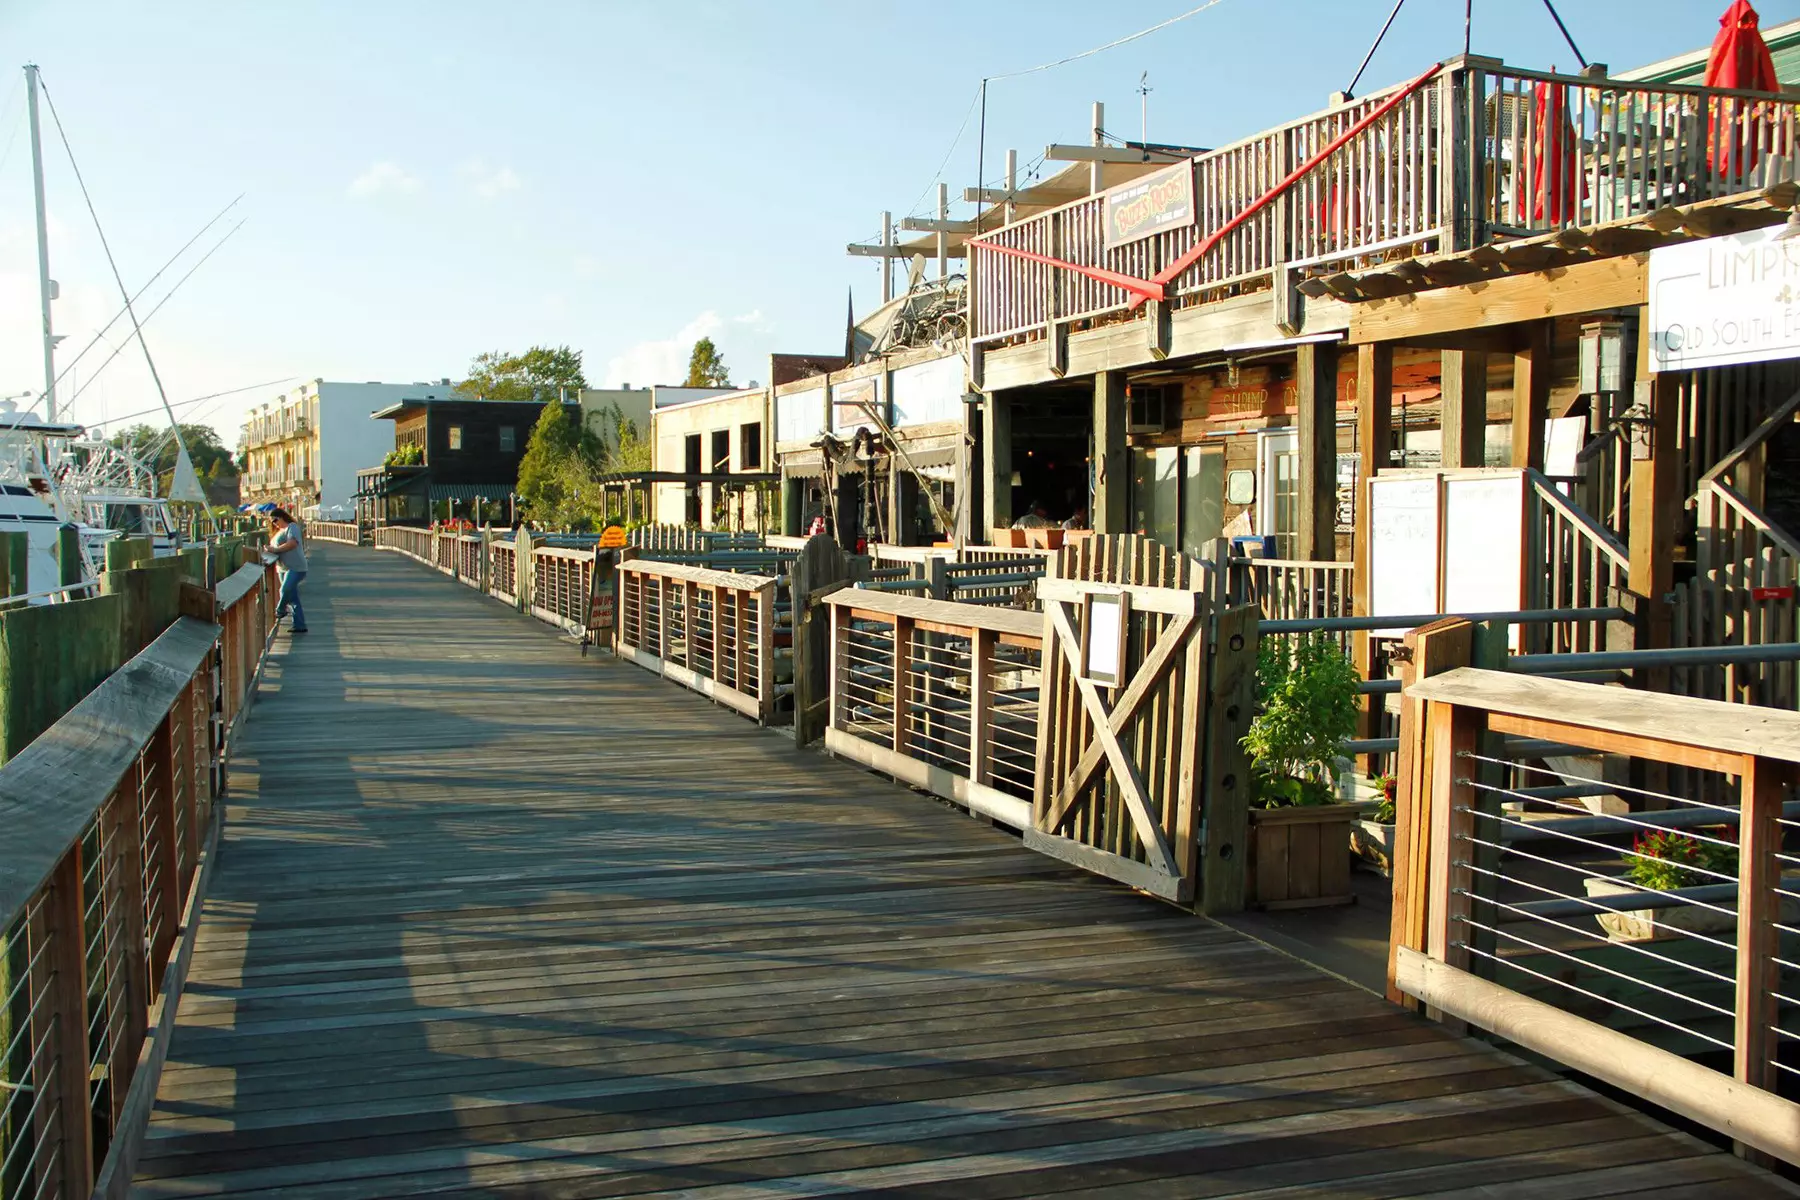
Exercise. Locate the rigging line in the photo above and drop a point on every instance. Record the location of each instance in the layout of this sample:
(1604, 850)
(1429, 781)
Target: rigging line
(957, 141)
(1386, 25)
(124, 292)
(197, 399)
(98, 337)
(95, 374)
(1557, 17)
(6, 155)
(1130, 37)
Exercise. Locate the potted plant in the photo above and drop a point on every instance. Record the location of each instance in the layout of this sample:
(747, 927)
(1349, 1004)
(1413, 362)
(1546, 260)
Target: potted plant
(1299, 833)
(1665, 861)
(1372, 836)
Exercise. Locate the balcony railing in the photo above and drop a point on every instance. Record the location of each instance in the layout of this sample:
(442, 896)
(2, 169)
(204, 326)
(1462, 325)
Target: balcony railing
(1473, 152)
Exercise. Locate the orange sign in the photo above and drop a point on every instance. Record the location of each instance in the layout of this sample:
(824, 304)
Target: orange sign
(612, 537)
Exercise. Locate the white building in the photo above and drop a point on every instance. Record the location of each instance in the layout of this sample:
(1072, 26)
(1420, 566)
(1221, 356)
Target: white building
(304, 447)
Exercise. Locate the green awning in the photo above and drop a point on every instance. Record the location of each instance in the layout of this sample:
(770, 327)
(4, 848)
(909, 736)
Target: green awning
(470, 491)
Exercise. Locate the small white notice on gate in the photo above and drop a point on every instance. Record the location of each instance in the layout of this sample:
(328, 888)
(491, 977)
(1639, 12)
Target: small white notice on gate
(1103, 640)
(1725, 300)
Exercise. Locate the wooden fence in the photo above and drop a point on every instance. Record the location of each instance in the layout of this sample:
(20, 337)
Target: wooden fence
(712, 631)
(1578, 563)
(560, 586)
(415, 543)
(939, 695)
(1510, 913)
(110, 816)
(1293, 589)
(347, 532)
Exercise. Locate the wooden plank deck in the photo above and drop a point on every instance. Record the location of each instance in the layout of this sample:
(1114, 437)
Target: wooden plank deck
(492, 920)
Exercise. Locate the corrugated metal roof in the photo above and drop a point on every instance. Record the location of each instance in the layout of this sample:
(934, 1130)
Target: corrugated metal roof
(1783, 41)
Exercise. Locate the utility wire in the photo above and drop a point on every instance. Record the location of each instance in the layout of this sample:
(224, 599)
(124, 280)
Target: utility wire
(158, 308)
(139, 293)
(1130, 37)
(955, 142)
(119, 279)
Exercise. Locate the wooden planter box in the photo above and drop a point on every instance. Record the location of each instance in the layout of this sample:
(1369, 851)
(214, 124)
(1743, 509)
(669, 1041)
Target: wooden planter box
(1300, 857)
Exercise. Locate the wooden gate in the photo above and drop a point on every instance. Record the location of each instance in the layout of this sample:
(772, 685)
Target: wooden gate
(1139, 722)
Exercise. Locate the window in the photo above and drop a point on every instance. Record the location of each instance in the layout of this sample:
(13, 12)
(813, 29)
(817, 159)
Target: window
(456, 437)
(721, 452)
(750, 446)
(509, 439)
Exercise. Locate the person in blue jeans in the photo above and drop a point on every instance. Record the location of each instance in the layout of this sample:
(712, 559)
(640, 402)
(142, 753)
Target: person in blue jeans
(286, 544)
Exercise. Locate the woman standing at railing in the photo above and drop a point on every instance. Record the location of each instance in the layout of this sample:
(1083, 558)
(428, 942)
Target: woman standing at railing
(285, 543)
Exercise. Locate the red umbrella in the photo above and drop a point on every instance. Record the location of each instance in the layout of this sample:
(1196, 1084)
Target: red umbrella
(1740, 60)
(1556, 175)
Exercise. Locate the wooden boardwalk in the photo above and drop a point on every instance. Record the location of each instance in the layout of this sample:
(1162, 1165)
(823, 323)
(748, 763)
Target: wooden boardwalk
(493, 920)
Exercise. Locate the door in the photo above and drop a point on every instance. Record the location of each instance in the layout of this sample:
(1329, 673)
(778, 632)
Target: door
(1202, 497)
(1278, 489)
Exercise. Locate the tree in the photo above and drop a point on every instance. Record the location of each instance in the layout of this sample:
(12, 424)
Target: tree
(559, 460)
(706, 366)
(155, 448)
(537, 374)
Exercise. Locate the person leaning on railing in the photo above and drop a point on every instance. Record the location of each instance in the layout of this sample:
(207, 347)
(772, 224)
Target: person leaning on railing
(285, 543)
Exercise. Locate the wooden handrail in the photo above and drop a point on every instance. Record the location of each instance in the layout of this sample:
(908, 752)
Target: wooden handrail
(700, 575)
(1027, 627)
(1753, 516)
(1599, 534)
(1771, 424)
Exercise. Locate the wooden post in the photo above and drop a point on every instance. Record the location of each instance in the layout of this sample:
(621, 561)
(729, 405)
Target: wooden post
(1430, 650)
(765, 647)
(996, 462)
(69, 567)
(1655, 507)
(1315, 373)
(1464, 421)
(793, 505)
(63, 1081)
(1112, 475)
(903, 653)
(1229, 704)
(903, 504)
(1759, 909)
(1531, 396)
(1374, 440)
(15, 563)
(819, 565)
(981, 705)
(1453, 731)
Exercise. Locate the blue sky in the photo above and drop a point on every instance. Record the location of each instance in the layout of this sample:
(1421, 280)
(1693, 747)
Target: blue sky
(424, 181)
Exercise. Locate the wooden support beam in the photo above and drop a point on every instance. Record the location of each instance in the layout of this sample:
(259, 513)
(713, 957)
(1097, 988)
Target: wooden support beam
(1112, 475)
(1464, 420)
(1763, 787)
(996, 462)
(1579, 288)
(1125, 155)
(1655, 508)
(1315, 374)
(1374, 441)
(1531, 396)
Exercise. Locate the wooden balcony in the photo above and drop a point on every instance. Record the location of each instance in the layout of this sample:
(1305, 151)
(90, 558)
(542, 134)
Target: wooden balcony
(1472, 153)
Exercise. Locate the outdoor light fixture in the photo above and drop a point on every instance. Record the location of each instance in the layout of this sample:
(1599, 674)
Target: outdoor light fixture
(1602, 357)
(1639, 423)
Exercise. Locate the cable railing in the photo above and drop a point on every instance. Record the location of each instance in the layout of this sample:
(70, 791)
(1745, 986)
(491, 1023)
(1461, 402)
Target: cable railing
(562, 582)
(1561, 883)
(109, 816)
(940, 695)
(711, 631)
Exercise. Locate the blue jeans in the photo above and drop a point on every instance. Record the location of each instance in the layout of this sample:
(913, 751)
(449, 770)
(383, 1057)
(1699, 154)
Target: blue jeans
(290, 598)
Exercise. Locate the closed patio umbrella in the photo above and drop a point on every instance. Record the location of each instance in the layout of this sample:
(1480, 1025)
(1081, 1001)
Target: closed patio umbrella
(1557, 173)
(1739, 60)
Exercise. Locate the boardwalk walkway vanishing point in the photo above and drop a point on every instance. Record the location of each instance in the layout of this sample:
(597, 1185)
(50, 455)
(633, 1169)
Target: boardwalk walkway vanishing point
(491, 919)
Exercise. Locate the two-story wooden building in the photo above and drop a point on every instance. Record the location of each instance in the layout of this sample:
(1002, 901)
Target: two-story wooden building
(452, 457)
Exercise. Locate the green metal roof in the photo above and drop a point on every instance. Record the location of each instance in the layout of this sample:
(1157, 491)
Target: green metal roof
(1783, 41)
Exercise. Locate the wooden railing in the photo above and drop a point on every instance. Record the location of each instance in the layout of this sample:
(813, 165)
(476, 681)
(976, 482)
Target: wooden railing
(1583, 566)
(1480, 151)
(466, 551)
(413, 542)
(712, 631)
(1296, 589)
(347, 532)
(939, 695)
(1510, 914)
(109, 819)
(560, 583)
(503, 570)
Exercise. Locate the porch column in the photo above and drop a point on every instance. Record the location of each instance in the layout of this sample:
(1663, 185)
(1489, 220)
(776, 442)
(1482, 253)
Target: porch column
(903, 503)
(1112, 477)
(1375, 442)
(1464, 421)
(1315, 374)
(1531, 396)
(793, 505)
(1655, 504)
(996, 463)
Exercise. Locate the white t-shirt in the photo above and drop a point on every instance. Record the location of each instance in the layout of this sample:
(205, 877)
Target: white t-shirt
(290, 557)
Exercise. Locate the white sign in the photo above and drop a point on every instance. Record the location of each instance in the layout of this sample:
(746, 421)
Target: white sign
(1725, 300)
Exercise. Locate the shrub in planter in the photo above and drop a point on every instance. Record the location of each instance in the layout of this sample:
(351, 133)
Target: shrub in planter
(1299, 835)
(1664, 861)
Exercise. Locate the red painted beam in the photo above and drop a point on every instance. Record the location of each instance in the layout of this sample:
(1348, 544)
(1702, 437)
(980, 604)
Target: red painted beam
(1144, 289)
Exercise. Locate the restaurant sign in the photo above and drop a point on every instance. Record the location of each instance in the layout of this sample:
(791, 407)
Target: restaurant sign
(1149, 206)
(1725, 300)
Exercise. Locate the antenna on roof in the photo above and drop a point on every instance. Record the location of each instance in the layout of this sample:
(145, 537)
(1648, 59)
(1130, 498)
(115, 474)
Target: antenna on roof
(1144, 90)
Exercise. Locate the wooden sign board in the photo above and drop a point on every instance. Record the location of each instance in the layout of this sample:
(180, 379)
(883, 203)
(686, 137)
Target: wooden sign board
(1105, 618)
(1149, 206)
(1446, 541)
(603, 605)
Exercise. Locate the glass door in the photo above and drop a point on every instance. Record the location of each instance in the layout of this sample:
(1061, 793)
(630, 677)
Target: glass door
(1278, 489)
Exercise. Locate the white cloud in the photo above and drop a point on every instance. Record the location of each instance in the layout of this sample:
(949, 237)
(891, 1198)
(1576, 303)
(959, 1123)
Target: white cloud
(488, 183)
(662, 361)
(383, 177)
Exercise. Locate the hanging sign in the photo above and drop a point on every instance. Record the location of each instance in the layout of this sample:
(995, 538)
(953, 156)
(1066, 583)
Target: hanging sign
(1149, 206)
(1725, 300)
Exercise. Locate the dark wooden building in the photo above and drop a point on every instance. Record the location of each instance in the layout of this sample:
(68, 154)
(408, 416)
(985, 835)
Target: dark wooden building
(451, 458)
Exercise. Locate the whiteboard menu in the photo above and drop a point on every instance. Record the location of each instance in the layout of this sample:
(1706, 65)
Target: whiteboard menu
(1484, 544)
(1403, 546)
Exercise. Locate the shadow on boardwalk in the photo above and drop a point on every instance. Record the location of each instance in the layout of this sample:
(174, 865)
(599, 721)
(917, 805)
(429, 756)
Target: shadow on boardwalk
(493, 920)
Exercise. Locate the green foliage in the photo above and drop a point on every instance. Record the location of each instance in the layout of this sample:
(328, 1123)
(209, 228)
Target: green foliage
(406, 454)
(536, 374)
(1306, 697)
(706, 367)
(155, 447)
(621, 446)
(1664, 861)
(1389, 788)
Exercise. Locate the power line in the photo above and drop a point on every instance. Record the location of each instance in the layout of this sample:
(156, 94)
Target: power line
(954, 143)
(1130, 37)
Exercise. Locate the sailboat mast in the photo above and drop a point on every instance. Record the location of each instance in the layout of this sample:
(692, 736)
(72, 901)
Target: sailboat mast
(46, 288)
